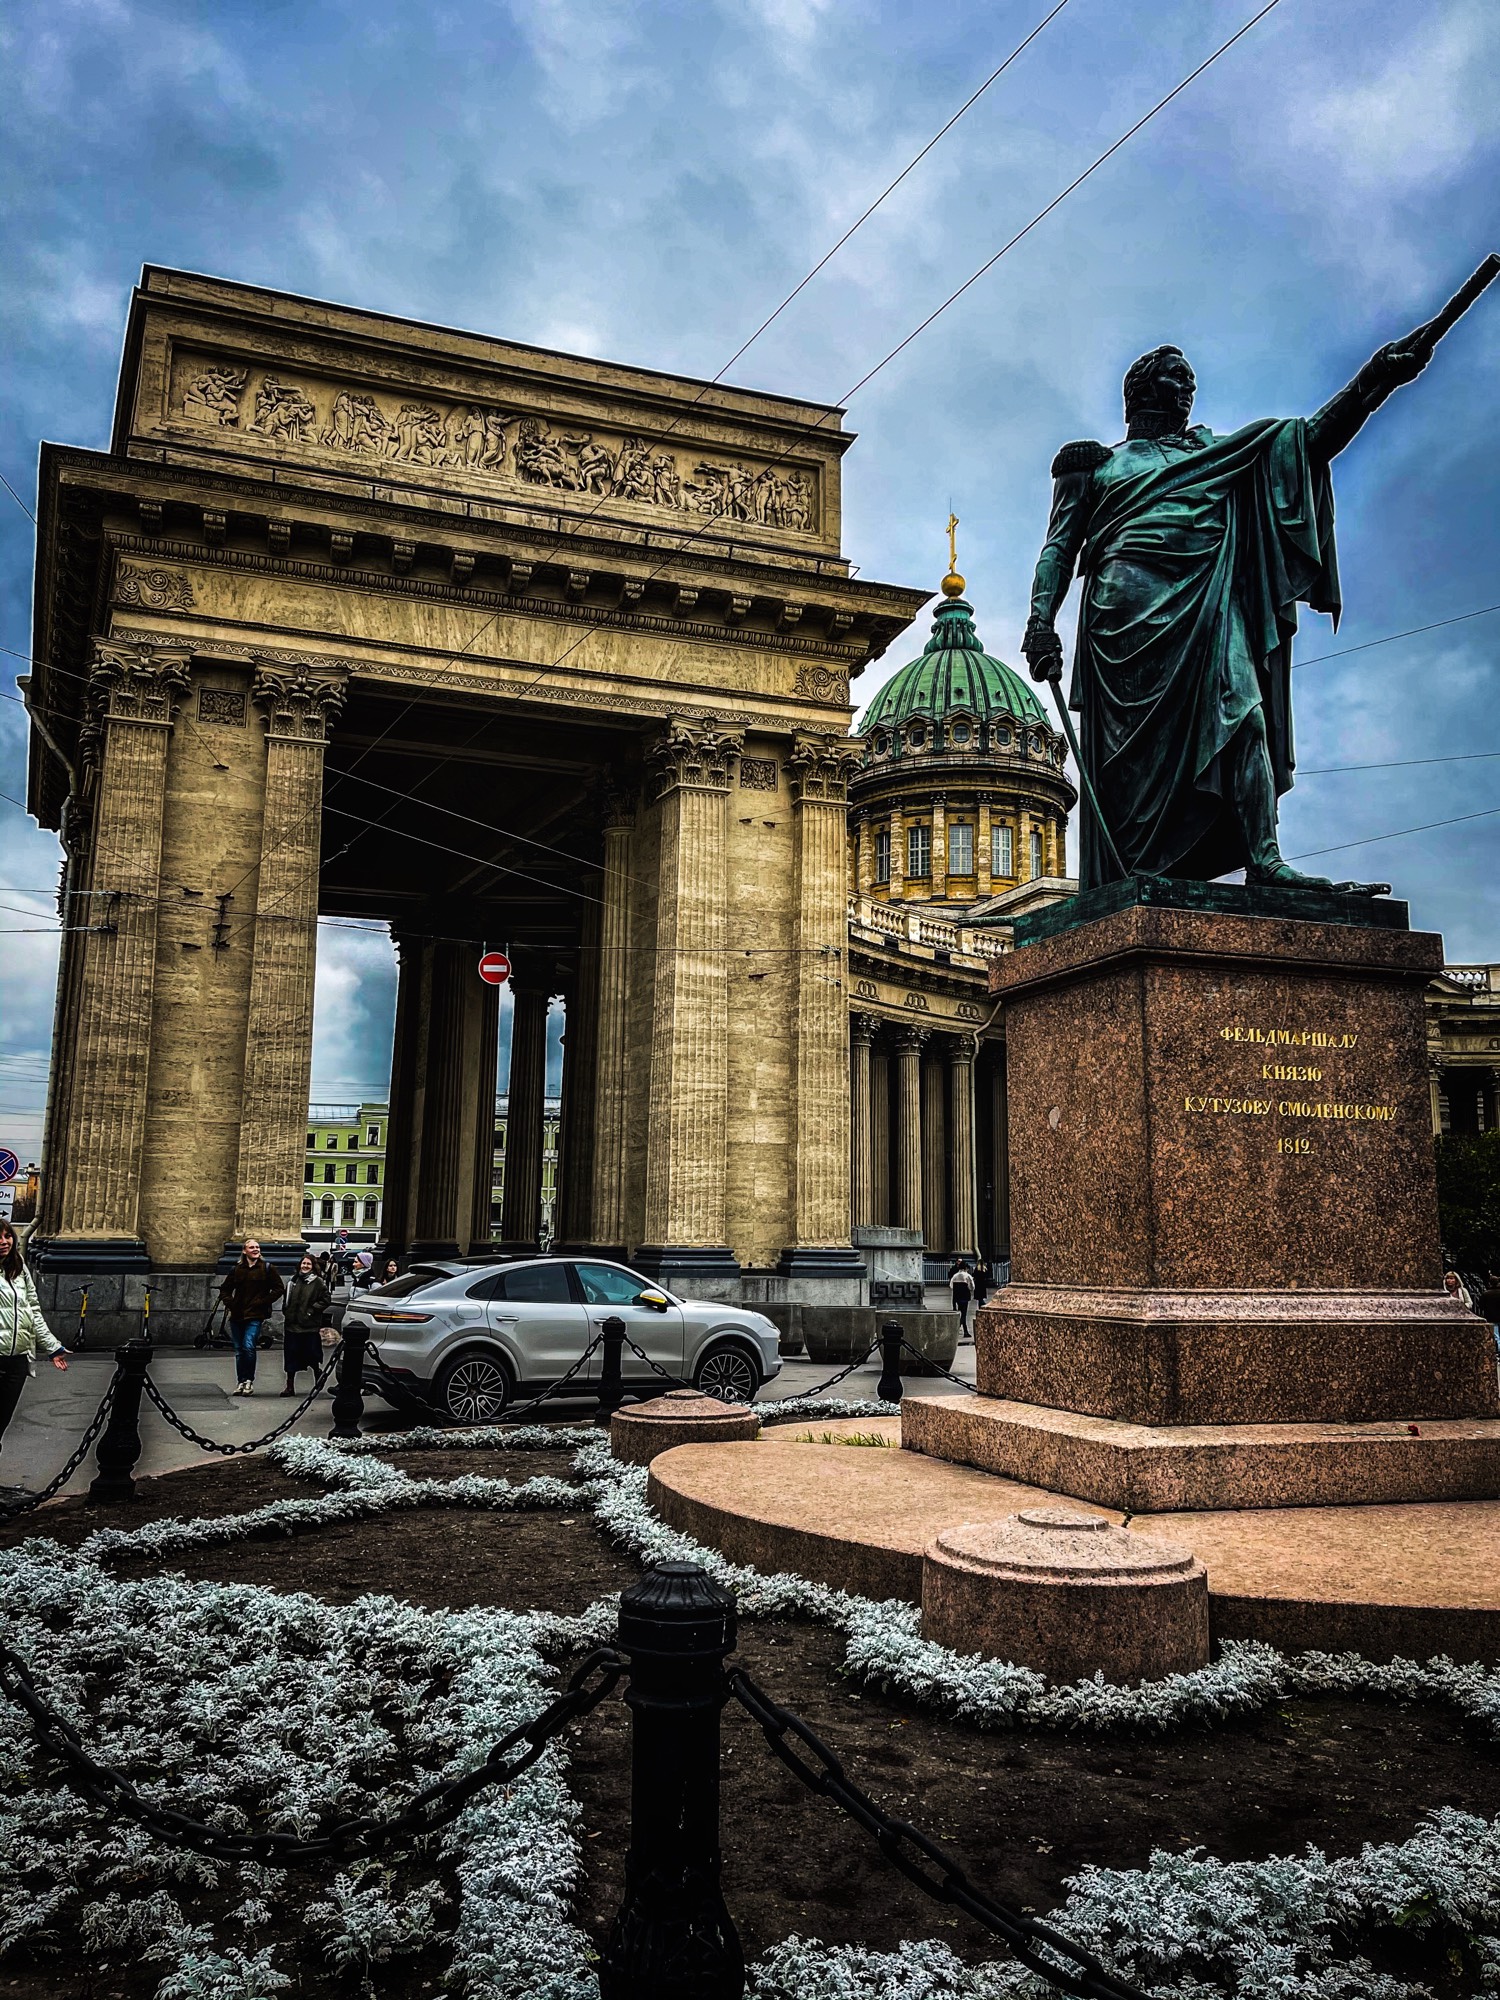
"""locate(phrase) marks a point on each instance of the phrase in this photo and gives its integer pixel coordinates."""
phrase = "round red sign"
(494, 968)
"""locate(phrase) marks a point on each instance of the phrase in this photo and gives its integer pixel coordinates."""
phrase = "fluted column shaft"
(862, 1120)
(133, 696)
(445, 1144)
(909, 1044)
(612, 991)
(686, 1117)
(934, 1152)
(524, 1118)
(403, 1123)
(818, 768)
(962, 1208)
(880, 1132)
(298, 708)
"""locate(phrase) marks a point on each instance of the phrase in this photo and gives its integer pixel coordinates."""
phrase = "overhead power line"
(1372, 839)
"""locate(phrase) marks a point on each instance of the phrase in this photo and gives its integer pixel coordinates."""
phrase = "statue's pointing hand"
(1043, 651)
(1401, 360)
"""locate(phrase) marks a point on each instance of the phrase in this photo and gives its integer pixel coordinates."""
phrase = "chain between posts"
(185, 1430)
(80, 1452)
(923, 1861)
(805, 1395)
(433, 1807)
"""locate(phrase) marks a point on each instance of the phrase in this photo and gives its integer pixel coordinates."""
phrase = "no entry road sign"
(494, 968)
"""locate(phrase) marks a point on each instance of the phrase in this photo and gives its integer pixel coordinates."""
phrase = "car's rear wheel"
(473, 1388)
(730, 1372)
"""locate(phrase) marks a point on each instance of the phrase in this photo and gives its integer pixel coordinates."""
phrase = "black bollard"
(119, 1444)
(611, 1384)
(349, 1396)
(673, 1938)
(888, 1389)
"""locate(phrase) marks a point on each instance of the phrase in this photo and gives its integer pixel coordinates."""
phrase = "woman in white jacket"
(22, 1329)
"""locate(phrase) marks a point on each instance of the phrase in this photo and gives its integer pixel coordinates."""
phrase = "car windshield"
(409, 1282)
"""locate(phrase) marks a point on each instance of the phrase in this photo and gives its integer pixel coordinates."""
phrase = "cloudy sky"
(646, 181)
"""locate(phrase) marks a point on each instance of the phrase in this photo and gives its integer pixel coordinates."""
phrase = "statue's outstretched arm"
(1066, 532)
(1340, 418)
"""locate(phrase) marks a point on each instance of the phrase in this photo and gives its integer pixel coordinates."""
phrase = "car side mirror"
(657, 1301)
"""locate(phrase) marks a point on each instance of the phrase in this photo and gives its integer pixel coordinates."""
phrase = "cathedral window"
(1002, 850)
(917, 738)
(960, 732)
(919, 851)
(961, 848)
(883, 855)
(1036, 854)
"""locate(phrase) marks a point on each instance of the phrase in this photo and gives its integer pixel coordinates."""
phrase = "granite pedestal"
(1223, 1209)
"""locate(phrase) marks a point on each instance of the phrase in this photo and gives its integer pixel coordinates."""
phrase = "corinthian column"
(693, 767)
(862, 1119)
(104, 1072)
(963, 1215)
(818, 768)
(909, 1045)
(612, 989)
(298, 707)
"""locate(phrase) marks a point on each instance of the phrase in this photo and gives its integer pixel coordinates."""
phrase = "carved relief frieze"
(522, 449)
(699, 755)
(759, 774)
(297, 702)
(153, 587)
(226, 706)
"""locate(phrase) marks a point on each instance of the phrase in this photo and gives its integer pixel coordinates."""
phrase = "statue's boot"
(1255, 795)
(1278, 874)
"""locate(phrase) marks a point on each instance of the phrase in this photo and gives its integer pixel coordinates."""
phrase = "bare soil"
(1022, 1810)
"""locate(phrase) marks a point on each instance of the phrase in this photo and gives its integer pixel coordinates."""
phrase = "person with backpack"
(961, 1286)
(22, 1331)
(249, 1294)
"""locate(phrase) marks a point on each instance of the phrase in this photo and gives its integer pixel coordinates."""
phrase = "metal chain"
(551, 1390)
(805, 1395)
(656, 1367)
(922, 1861)
(184, 1428)
(431, 1808)
(81, 1450)
(929, 1366)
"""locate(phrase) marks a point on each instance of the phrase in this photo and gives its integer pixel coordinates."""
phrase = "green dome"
(953, 675)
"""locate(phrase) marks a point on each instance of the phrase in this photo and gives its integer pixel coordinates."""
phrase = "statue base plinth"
(1223, 1208)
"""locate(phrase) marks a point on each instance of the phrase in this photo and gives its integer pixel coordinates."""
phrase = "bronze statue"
(1195, 552)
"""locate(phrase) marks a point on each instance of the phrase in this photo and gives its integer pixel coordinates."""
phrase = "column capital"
(912, 1038)
(297, 703)
(617, 807)
(696, 755)
(820, 764)
(135, 683)
(864, 1027)
(960, 1051)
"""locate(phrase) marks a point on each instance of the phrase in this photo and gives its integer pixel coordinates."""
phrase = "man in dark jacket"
(249, 1295)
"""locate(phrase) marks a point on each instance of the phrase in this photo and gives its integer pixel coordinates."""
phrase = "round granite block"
(682, 1416)
(1068, 1594)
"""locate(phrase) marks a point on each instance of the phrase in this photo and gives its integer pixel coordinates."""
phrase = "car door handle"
(507, 1319)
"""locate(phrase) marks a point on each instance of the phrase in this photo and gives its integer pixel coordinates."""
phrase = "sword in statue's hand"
(1044, 656)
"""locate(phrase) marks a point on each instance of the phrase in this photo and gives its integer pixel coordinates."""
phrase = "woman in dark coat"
(303, 1319)
(249, 1293)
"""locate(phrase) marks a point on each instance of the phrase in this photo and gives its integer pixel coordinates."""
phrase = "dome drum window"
(919, 853)
(1002, 850)
(1036, 854)
(961, 848)
(961, 732)
(883, 855)
(916, 738)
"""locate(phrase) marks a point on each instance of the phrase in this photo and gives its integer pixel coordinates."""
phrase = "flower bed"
(260, 1706)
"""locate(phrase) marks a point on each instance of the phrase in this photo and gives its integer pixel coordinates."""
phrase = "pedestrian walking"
(248, 1295)
(303, 1319)
(961, 1287)
(982, 1281)
(22, 1331)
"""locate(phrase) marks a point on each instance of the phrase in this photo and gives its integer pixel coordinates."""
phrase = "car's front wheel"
(473, 1388)
(730, 1372)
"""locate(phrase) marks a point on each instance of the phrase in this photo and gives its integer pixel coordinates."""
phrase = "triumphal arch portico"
(364, 618)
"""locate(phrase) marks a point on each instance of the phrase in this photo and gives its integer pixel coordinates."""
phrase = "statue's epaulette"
(1084, 456)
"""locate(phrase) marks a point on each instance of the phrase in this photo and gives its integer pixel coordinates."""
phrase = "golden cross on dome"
(953, 583)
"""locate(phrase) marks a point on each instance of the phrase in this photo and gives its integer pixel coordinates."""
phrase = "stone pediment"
(228, 369)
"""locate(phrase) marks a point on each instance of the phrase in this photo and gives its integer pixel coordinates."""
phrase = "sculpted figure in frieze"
(357, 425)
(214, 395)
(283, 411)
(421, 436)
(596, 466)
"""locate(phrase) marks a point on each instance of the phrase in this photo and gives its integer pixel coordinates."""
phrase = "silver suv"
(472, 1338)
